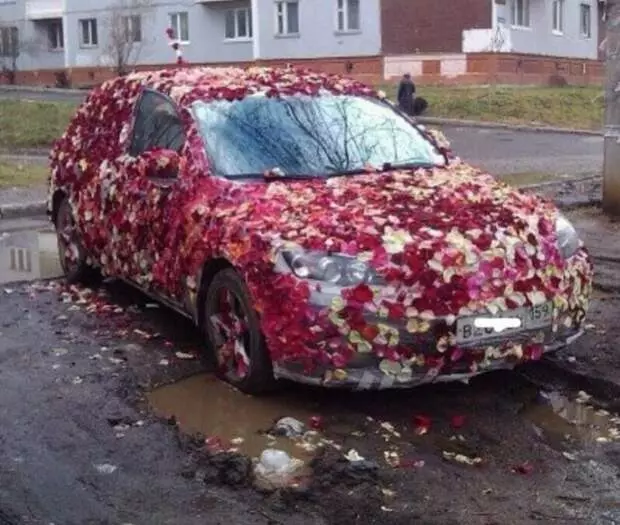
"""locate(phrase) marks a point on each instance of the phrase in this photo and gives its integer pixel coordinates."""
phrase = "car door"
(138, 218)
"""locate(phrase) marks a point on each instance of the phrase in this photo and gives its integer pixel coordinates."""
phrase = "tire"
(235, 343)
(70, 250)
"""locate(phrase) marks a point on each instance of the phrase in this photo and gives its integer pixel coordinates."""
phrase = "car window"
(157, 125)
(318, 135)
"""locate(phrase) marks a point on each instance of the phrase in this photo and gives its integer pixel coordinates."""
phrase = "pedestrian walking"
(406, 94)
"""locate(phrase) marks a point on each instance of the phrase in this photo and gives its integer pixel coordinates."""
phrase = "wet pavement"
(102, 391)
(28, 255)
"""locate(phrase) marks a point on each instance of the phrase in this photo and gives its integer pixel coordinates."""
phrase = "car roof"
(187, 84)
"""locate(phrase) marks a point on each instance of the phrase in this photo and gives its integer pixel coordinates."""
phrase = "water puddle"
(563, 420)
(28, 255)
(203, 404)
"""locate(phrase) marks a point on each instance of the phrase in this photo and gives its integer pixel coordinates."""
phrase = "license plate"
(530, 318)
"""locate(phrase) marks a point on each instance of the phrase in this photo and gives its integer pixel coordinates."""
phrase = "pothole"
(228, 418)
(566, 421)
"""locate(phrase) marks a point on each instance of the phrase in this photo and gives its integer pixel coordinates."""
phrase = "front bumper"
(373, 378)
(343, 349)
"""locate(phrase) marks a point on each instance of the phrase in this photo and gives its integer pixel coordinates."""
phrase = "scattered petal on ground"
(457, 421)
(421, 424)
(106, 468)
(524, 468)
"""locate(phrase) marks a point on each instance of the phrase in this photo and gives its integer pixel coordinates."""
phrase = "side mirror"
(161, 164)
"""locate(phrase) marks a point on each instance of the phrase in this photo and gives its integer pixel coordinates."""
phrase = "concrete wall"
(540, 39)
(34, 49)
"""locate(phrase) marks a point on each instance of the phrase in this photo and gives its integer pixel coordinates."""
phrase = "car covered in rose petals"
(311, 230)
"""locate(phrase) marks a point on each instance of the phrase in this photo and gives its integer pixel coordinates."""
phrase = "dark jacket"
(406, 93)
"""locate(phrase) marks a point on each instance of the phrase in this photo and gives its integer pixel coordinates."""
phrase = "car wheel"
(70, 250)
(236, 343)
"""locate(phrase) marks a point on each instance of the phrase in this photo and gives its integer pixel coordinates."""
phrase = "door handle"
(164, 186)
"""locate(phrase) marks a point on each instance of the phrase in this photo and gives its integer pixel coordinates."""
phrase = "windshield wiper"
(342, 173)
(387, 166)
(273, 177)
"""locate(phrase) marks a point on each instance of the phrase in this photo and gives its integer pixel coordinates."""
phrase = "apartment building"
(436, 40)
(68, 35)
(509, 40)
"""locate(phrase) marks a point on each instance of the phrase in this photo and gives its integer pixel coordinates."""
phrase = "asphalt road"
(506, 151)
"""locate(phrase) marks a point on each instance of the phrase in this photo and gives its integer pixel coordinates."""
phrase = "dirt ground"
(96, 436)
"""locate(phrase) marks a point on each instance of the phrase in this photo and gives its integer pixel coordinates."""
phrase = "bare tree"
(125, 39)
(14, 45)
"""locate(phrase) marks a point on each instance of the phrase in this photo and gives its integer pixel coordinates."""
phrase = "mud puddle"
(203, 404)
(572, 421)
(28, 255)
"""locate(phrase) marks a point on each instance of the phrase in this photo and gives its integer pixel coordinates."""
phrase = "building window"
(9, 41)
(348, 15)
(586, 21)
(520, 11)
(132, 26)
(89, 37)
(179, 22)
(55, 36)
(558, 16)
(287, 17)
(238, 24)
(21, 260)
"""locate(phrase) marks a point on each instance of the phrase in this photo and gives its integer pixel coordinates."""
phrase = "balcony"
(44, 9)
(497, 40)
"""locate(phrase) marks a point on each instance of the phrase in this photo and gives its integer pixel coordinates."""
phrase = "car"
(311, 230)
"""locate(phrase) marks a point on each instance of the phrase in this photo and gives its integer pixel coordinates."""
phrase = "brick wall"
(430, 26)
(458, 68)
(494, 68)
(366, 69)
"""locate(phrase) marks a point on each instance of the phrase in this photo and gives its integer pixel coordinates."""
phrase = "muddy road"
(109, 418)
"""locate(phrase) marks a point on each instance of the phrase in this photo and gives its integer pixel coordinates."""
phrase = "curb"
(438, 121)
(26, 152)
(578, 203)
(42, 89)
(23, 210)
(561, 182)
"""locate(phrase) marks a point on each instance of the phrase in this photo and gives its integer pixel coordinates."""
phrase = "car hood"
(456, 230)
(383, 211)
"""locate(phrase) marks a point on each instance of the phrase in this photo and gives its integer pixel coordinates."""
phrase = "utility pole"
(611, 170)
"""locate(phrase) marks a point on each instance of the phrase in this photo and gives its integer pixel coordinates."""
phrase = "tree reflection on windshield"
(298, 135)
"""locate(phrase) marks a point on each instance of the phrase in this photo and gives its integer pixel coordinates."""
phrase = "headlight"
(339, 270)
(568, 240)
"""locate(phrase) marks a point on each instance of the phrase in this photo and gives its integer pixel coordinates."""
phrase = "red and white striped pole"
(176, 45)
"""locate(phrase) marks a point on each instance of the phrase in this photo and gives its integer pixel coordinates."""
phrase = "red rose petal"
(457, 421)
(421, 424)
(524, 468)
(316, 423)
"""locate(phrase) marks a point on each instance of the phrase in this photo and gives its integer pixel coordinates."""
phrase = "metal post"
(611, 170)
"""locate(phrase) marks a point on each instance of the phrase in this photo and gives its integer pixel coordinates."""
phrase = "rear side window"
(157, 125)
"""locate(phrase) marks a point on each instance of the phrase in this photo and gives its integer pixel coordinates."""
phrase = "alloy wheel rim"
(68, 245)
(230, 334)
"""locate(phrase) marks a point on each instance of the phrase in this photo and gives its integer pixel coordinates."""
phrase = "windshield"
(308, 135)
